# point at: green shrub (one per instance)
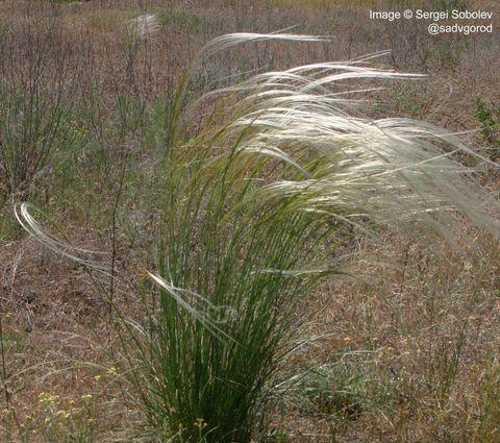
(489, 118)
(33, 127)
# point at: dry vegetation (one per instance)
(406, 341)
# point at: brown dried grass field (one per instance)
(402, 347)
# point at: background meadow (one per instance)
(381, 328)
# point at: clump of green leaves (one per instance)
(489, 118)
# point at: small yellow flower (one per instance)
(112, 371)
(47, 398)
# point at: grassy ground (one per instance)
(406, 342)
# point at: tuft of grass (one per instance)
(489, 119)
(247, 208)
(37, 119)
(35, 128)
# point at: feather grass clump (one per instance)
(246, 207)
(391, 169)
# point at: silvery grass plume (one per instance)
(144, 25)
(33, 227)
(213, 47)
(336, 162)
(348, 165)
(299, 135)
(227, 41)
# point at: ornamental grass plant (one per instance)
(248, 207)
